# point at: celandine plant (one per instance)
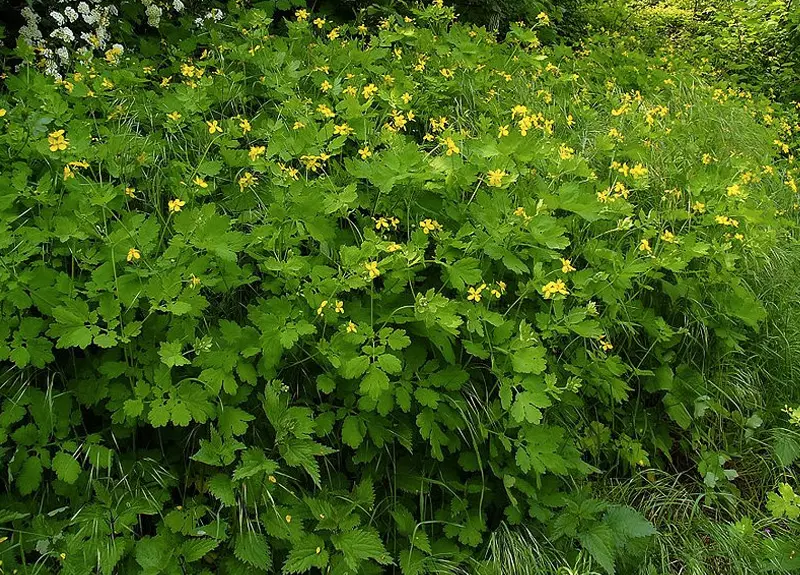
(347, 299)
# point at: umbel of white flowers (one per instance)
(61, 30)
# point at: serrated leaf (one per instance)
(195, 549)
(360, 545)
(221, 487)
(306, 554)
(252, 548)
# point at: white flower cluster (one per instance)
(215, 14)
(58, 30)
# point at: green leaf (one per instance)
(463, 272)
(626, 523)
(353, 431)
(360, 545)
(529, 360)
(306, 554)
(221, 487)
(195, 549)
(170, 353)
(599, 542)
(30, 476)
(252, 548)
(66, 467)
(374, 383)
(398, 340)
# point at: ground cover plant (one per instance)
(395, 296)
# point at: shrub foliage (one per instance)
(346, 299)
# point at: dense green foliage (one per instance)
(395, 297)
(754, 43)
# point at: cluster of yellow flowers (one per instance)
(429, 226)
(550, 289)
(57, 141)
(475, 293)
(613, 193)
(383, 223)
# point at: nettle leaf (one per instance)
(599, 542)
(361, 545)
(221, 487)
(252, 548)
(66, 467)
(306, 554)
(195, 549)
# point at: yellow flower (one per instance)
(194, 281)
(342, 130)
(369, 90)
(406, 97)
(638, 171)
(272, 479)
(429, 226)
(452, 148)
(2, 112)
(298, 125)
(668, 237)
(565, 152)
(518, 110)
(502, 131)
(213, 127)
(393, 247)
(644, 246)
(734, 190)
(699, 207)
(247, 180)
(364, 153)
(175, 205)
(438, 125)
(174, 116)
(520, 212)
(446, 72)
(256, 152)
(605, 345)
(322, 306)
(566, 266)
(130, 192)
(320, 22)
(351, 327)
(381, 223)
(339, 307)
(318, 550)
(543, 18)
(496, 178)
(326, 86)
(134, 254)
(200, 182)
(301, 15)
(245, 126)
(372, 268)
(552, 288)
(325, 111)
(57, 141)
(475, 293)
(707, 159)
(333, 34)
